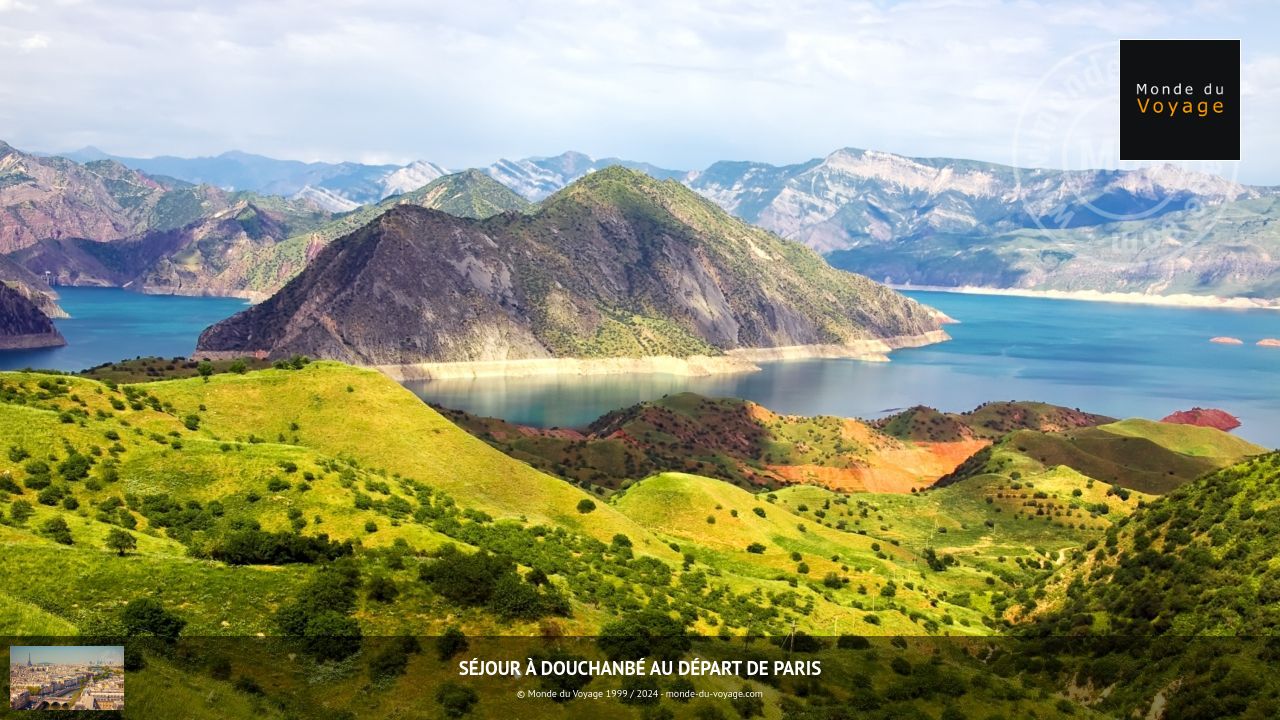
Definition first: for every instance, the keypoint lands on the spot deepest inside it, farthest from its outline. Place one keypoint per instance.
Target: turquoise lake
(1122, 360)
(109, 324)
(1114, 359)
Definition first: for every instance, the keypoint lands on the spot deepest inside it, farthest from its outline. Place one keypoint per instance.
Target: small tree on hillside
(121, 541)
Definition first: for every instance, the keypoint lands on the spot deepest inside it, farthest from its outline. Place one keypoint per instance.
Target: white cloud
(676, 82)
(38, 41)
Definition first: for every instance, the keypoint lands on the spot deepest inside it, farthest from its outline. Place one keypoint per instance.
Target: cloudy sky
(679, 83)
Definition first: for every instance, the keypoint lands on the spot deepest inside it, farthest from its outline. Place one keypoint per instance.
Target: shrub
(649, 634)
(392, 658)
(382, 589)
(456, 700)
(330, 635)
(148, 618)
(255, 547)
(756, 548)
(586, 505)
(484, 579)
(451, 642)
(747, 704)
(20, 511)
(56, 529)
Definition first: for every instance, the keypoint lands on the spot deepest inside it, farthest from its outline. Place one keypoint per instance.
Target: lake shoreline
(1185, 300)
(742, 360)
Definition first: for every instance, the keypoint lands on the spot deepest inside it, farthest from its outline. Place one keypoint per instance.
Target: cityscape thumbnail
(66, 677)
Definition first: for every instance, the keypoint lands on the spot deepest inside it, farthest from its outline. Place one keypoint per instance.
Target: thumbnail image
(66, 677)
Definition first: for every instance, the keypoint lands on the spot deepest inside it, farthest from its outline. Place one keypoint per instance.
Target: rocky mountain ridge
(615, 265)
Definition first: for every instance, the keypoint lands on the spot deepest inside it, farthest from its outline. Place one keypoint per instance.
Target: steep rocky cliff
(23, 325)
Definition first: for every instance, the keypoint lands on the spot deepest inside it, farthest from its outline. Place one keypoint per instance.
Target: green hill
(1178, 605)
(1198, 561)
(1142, 455)
(988, 421)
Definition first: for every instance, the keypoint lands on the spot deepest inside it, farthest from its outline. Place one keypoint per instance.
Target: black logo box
(1186, 69)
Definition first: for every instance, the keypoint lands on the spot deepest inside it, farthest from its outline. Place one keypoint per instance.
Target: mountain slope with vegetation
(248, 247)
(1141, 455)
(616, 265)
(52, 197)
(733, 440)
(988, 421)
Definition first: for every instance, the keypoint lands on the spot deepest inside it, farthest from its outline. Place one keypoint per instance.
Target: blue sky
(67, 654)
(680, 83)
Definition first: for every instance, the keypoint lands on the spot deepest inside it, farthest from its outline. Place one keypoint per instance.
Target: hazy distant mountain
(854, 197)
(234, 170)
(910, 221)
(1231, 251)
(946, 222)
(616, 264)
(536, 178)
(340, 187)
(411, 177)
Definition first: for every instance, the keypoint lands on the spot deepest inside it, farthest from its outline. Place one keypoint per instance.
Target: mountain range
(615, 265)
(245, 244)
(344, 186)
(912, 222)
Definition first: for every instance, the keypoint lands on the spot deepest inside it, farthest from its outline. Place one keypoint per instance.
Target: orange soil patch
(893, 469)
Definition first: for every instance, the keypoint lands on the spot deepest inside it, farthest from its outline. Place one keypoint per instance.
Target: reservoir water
(1114, 359)
(109, 324)
(1122, 360)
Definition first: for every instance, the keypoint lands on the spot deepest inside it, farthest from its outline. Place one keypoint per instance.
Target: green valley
(309, 495)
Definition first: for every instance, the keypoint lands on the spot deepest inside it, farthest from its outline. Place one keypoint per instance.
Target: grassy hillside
(249, 499)
(1180, 600)
(1198, 561)
(185, 465)
(1142, 455)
